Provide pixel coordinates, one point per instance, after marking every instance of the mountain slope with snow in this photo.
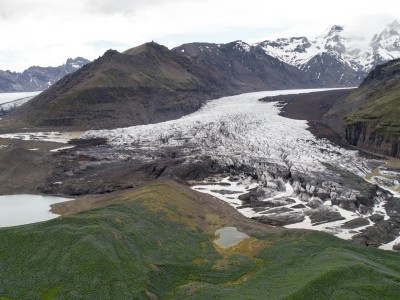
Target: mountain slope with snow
(38, 78)
(242, 64)
(336, 57)
(150, 83)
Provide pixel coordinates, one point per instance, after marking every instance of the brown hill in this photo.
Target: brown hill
(146, 84)
(246, 67)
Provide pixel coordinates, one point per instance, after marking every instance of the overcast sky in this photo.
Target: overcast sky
(47, 32)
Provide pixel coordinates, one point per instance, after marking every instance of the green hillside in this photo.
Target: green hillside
(142, 85)
(369, 117)
(378, 101)
(157, 242)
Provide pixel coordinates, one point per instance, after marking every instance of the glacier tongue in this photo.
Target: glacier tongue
(295, 177)
(238, 128)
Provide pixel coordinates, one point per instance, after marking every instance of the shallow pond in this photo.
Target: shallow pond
(229, 236)
(26, 209)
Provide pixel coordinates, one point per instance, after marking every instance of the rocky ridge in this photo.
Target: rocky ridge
(149, 84)
(242, 64)
(37, 78)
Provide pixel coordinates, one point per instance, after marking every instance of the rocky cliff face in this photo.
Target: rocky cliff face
(369, 117)
(365, 137)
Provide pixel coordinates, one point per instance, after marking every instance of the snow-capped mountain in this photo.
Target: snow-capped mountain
(384, 46)
(335, 59)
(38, 78)
(244, 66)
(336, 55)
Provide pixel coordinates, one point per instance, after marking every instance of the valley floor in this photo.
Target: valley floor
(159, 242)
(297, 179)
(134, 232)
(242, 151)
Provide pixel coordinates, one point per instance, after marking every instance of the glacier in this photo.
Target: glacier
(297, 178)
(270, 168)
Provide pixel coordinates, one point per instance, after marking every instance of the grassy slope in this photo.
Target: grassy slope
(156, 242)
(381, 112)
(120, 89)
(376, 102)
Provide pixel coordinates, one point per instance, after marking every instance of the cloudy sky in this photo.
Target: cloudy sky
(47, 32)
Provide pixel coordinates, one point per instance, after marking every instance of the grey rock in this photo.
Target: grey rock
(278, 210)
(225, 192)
(346, 203)
(376, 218)
(324, 215)
(298, 206)
(382, 233)
(396, 247)
(281, 219)
(355, 223)
(315, 202)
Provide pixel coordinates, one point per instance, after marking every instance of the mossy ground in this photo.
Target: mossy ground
(376, 102)
(381, 112)
(157, 242)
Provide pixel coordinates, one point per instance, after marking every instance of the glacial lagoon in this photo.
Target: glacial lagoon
(26, 209)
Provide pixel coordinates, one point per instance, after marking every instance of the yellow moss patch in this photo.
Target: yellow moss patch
(222, 264)
(177, 206)
(248, 247)
(120, 219)
(200, 260)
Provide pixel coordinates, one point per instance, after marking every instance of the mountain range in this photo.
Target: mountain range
(38, 78)
(134, 232)
(333, 59)
(150, 83)
(336, 58)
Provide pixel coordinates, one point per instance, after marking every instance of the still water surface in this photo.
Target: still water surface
(26, 209)
(229, 236)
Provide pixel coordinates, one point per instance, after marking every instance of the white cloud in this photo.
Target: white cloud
(46, 32)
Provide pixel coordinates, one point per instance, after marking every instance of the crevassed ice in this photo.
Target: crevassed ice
(239, 128)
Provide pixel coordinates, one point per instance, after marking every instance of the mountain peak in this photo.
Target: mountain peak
(387, 43)
(77, 60)
(242, 45)
(335, 30)
(146, 47)
(395, 25)
(37, 78)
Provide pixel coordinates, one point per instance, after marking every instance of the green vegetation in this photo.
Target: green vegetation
(376, 102)
(117, 90)
(157, 242)
(381, 110)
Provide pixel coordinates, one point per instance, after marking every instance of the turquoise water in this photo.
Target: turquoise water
(26, 209)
